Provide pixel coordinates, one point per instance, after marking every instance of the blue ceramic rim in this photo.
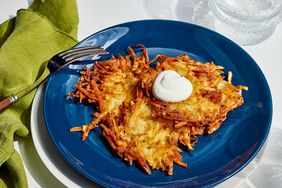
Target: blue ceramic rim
(216, 182)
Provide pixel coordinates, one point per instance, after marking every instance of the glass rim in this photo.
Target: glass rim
(249, 20)
(256, 16)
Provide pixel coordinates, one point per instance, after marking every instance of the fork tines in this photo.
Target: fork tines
(67, 57)
(83, 52)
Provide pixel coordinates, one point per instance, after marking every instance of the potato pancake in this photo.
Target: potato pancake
(143, 129)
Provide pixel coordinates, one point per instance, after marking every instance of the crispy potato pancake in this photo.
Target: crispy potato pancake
(143, 129)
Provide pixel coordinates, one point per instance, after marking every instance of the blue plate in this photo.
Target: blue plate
(216, 157)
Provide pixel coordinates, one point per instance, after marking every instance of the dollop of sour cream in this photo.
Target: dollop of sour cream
(169, 86)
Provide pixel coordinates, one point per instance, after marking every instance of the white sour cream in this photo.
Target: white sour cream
(169, 86)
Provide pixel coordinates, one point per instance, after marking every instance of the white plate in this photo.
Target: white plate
(47, 151)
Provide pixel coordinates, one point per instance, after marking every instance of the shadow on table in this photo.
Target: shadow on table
(269, 172)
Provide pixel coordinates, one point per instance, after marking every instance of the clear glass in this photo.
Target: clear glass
(246, 21)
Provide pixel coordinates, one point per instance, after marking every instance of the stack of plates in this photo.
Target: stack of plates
(216, 157)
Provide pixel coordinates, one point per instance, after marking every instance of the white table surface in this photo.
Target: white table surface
(98, 14)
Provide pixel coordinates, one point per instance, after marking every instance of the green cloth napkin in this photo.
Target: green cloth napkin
(26, 43)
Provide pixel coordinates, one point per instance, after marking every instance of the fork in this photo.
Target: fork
(54, 64)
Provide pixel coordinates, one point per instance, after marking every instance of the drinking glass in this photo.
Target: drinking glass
(246, 21)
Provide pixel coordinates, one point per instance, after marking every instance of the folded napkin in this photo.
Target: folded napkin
(26, 43)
